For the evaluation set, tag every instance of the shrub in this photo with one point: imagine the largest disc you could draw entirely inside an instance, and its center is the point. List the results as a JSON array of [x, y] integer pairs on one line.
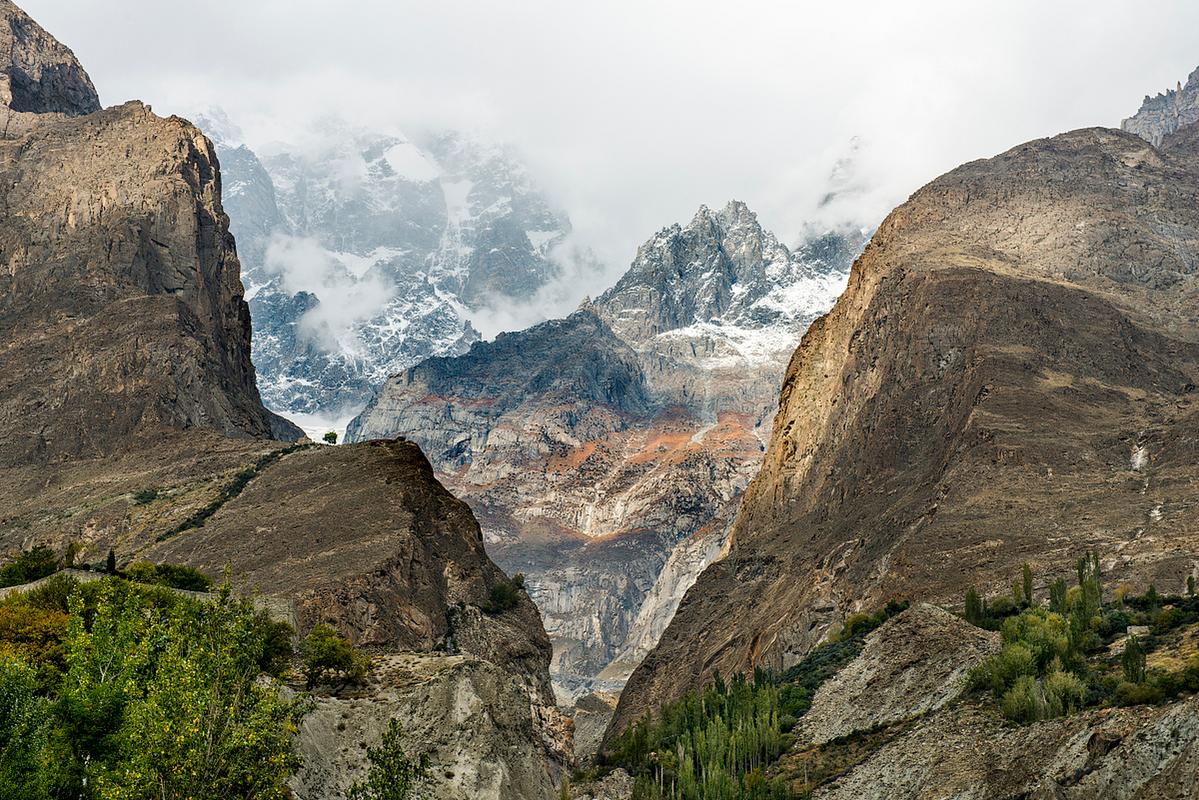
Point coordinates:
[[29, 566], [276, 645], [328, 656], [1013, 662], [1135, 694], [173, 576], [1064, 693], [1024, 702], [505, 594], [857, 625], [144, 496]]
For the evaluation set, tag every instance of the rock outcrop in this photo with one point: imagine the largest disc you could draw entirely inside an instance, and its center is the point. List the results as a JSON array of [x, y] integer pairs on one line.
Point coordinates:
[[1008, 377], [1166, 113], [906, 728], [1141, 753], [39, 74], [917, 662], [605, 453], [472, 717]]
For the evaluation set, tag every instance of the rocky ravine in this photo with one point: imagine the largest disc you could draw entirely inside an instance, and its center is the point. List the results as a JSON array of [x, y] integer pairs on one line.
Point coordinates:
[[124, 356], [604, 453], [1010, 376]]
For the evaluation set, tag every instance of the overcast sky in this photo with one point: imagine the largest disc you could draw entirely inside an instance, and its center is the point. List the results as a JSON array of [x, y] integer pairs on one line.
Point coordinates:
[[634, 113]]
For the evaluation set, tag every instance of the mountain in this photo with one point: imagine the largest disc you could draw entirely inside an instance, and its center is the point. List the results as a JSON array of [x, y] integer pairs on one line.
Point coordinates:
[[1009, 377], [1164, 114], [368, 252], [605, 453], [132, 421]]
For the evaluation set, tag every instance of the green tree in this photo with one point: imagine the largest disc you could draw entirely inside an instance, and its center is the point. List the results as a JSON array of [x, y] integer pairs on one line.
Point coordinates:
[[204, 726], [1191, 585], [392, 774], [110, 564], [330, 437], [1057, 596], [328, 656], [24, 726], [29, 566], [1133, 661], [1027, 584], [975, 610]]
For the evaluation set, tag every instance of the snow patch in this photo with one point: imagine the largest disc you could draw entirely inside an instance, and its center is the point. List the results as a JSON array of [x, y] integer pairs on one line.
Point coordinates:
[[409, 162]]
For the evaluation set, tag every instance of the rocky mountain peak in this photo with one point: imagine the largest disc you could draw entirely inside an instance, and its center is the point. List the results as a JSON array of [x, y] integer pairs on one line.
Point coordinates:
[[714, 269], [41, 75], [1167, 112]]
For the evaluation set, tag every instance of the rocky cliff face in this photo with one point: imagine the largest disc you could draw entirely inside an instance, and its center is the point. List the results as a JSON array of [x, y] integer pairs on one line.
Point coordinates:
[[132, 421], [605, 453], [366, 253], [1164, 114], [119, 295], [1008, 377], [40, 75]]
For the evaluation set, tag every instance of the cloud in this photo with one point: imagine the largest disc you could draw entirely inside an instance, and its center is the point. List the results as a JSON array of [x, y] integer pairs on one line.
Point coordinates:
[[580, 275], [631, 113], [304, 266]]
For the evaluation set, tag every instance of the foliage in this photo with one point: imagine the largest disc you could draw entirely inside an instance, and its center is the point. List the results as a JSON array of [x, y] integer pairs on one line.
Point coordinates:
[[330, 437], [505, 594], [1026, 583], [141, 694], [708, 745], [719, 743], [24, 725], [1133, 661], [147, 495], [392, 775], [174, 576], [328, 657], [30, 566], [110, 563], [1053, 661], [858, 624]]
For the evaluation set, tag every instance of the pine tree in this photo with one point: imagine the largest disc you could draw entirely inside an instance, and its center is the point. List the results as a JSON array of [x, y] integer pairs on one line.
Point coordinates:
[[110, 565], [1027, 584]]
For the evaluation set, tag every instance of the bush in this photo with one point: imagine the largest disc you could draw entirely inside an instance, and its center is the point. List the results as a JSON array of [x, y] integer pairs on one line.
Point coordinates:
[[1024, 701], [1135, 694], [1013, 662], [173, 576], [505, 595], [857, 625], [1064, 693], [29, 566], [144, 496], [328, 656]]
